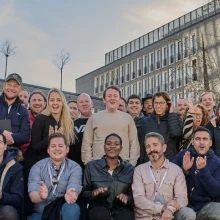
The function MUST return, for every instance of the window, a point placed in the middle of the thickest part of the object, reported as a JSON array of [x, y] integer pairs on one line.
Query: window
[[146, 86], [146, 40], [117, 77], [122, 74], [115, 54], [106, 59], [186, 47], [160, 33], [134, 89], [102, 83], [173, 79], [165, 54], [187, 19], [155, 35], [140, 89], [187, 74], [119, 52], [106, 80], [128, 48], [179, 50], [134, 69], [158, 59], [159, 83], [194, 76], [152, 85], [141, 42], [165, 30], [140, 66], [123, 92], [97, 85], [171, 27], [151, 37], [128, 72], [172, 52], [128, 91], [194, 48], [137, 46], [188, 95], [180, 71], [176, 24], [132, 46], [124, 51], [166, 79], [152, 62], [146, 65], [111, 56]]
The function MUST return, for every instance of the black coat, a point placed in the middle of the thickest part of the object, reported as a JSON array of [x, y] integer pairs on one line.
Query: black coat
[[215, 133], [169, 126], [39, 139], [96, 175]]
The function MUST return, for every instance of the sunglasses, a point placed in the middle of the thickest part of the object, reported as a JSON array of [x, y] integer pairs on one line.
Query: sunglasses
[[55, 177]]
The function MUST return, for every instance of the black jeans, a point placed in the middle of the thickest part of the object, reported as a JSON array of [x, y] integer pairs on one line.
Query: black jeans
[[8, 212], [102, 213]]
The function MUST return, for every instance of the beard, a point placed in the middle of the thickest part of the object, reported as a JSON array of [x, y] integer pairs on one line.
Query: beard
[[10, 98], [156, 157]]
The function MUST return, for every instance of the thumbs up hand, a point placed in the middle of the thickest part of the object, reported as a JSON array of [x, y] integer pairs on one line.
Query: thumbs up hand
[[43, 191]]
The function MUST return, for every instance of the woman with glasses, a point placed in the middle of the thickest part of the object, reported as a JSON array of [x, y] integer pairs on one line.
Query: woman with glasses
[[195, 116], [164, 121], [107, 184], [214, 127], [55, 118]]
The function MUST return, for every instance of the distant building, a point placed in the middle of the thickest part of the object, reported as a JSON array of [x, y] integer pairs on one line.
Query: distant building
[[166, 59], [98, 103]]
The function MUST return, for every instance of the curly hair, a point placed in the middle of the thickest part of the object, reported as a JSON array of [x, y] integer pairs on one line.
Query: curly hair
[[205, 115]]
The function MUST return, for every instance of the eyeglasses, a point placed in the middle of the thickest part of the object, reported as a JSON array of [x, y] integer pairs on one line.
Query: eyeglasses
[[159, 103], [55, 177]]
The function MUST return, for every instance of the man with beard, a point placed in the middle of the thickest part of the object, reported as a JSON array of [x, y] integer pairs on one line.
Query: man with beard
[[12, 110], [84, 105], [208, 101], [24, 96], [159, 186], [202, 170], [37, 103], [181, 107], [147, 105]]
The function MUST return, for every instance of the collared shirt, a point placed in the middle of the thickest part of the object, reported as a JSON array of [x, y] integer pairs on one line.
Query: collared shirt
[[71, 177], [144, 189]]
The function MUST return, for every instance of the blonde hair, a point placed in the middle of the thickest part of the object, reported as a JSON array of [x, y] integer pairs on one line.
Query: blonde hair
[[205, 93], [65, 119]]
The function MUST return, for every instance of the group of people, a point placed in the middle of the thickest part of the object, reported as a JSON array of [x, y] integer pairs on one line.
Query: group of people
[[137, 159]]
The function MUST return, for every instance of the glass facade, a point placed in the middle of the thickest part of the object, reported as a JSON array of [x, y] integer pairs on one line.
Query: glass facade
[[146, 68], [178, 24]]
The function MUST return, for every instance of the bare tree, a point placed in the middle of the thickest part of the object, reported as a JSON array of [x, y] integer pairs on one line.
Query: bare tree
[[8, 50], [61, 60]]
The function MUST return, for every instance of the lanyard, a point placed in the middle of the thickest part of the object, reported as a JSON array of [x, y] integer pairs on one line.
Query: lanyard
[[58, 178], [163, 178]]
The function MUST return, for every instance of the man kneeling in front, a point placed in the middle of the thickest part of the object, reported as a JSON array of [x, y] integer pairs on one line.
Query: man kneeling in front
[[55, 178], [159, 186]]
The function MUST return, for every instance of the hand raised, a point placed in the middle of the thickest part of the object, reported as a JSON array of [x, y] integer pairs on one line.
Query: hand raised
[[201, 162], [98, 191], [123, 198], [213, 121], [187, 162], [43, 191], [51, 130]]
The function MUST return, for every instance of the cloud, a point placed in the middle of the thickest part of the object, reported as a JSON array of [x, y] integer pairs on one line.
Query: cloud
[[7, 15], [154, 15]]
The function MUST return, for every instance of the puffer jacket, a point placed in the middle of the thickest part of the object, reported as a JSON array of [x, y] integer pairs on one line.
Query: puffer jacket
[[169, 126], [96, 175], [20, 122], [203, 185]]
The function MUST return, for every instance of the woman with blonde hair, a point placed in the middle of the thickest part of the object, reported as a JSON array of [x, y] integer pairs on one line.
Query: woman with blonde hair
[[55, 118], [196, 116]]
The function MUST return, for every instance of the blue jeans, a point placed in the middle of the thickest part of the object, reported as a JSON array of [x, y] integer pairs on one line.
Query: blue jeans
[[69, 212]]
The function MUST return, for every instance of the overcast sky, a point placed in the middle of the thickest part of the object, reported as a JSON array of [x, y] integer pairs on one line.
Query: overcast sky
[[87, 29]]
